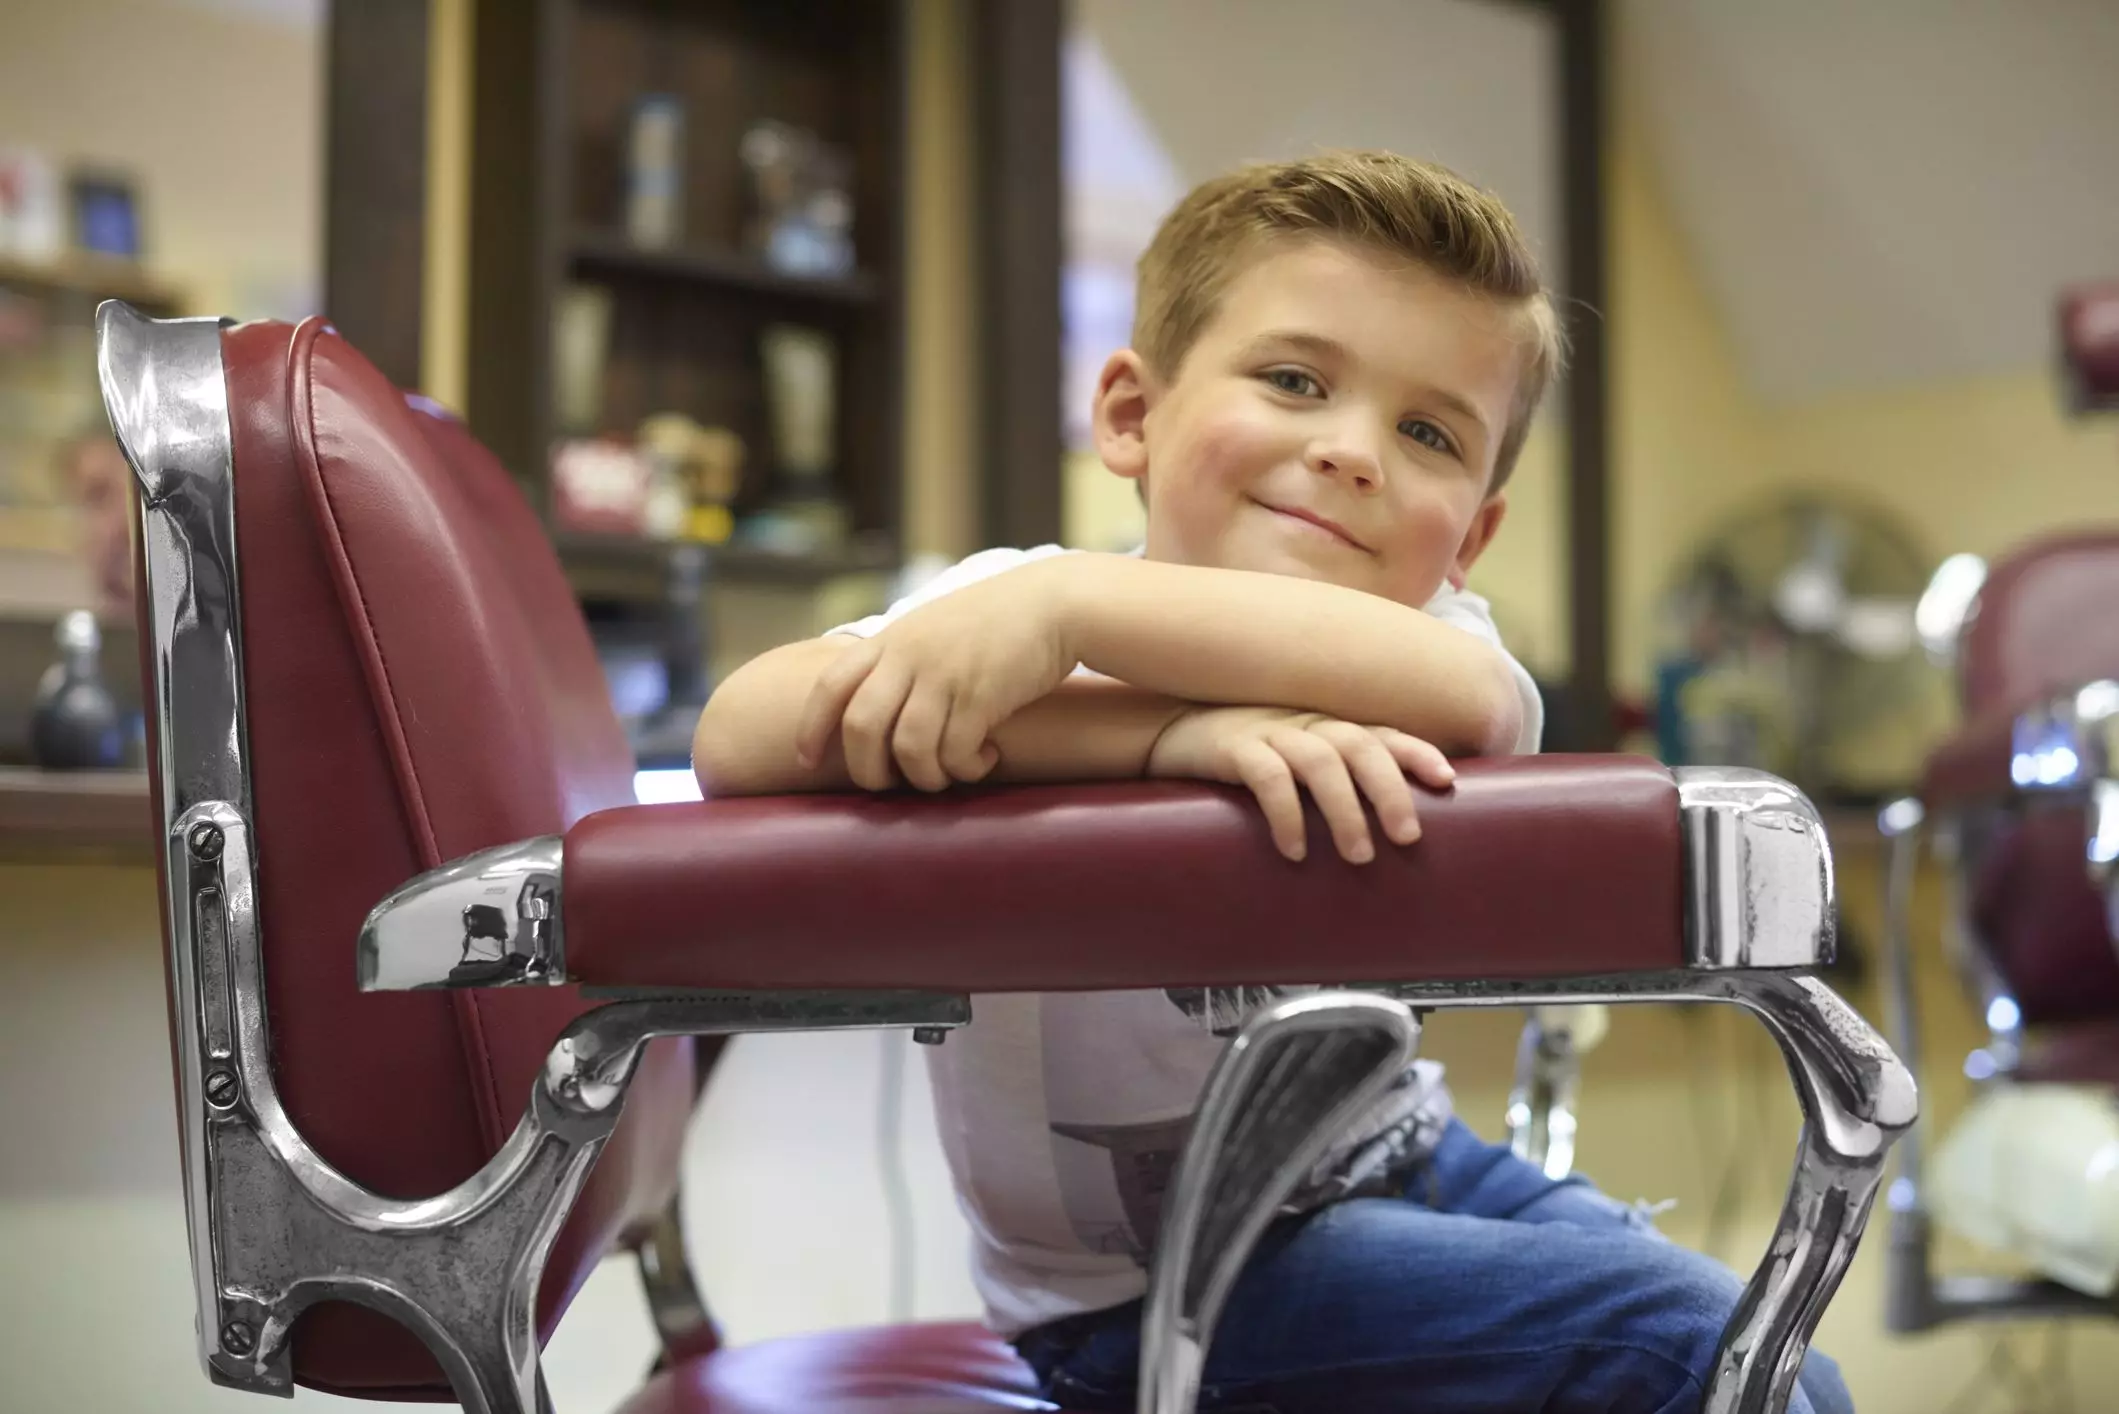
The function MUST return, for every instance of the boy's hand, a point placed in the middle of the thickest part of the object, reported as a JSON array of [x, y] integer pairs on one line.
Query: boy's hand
[[923, 696], [1270, 749]]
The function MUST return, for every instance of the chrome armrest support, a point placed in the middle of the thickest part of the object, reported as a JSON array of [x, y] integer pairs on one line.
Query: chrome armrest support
[[1857, 1099], [1758, 869], [1291, 1081], [1548, 1084], [490, 919], [1759, 908]]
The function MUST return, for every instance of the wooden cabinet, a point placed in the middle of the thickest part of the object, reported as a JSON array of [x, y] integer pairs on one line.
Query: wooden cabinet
[[557, 86]]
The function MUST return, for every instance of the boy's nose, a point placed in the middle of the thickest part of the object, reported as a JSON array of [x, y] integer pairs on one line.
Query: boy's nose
[[1347, 462]]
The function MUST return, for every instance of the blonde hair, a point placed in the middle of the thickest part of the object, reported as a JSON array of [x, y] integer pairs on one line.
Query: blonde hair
[[1377, 200]]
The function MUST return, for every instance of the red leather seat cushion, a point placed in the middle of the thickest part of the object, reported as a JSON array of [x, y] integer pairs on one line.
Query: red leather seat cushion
[[931, 1369], [1530, 867]]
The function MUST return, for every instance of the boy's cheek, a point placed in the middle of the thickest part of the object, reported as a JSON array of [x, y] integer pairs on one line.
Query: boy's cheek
[[1228, 455]]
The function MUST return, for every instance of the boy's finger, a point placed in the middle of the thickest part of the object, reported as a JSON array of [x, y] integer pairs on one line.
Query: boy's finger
[[1377, 772], [1422, 759], [1267, 776], [915, 742], [865, 729], [828, 697], [1323, 773], [965, 750]]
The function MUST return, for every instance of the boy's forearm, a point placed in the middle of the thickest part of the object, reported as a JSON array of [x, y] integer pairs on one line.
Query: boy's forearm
[[1233, 636], [1088, 730]]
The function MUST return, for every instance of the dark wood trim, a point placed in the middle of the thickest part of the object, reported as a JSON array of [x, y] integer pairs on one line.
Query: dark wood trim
[[876, 356], [511, 106], [1019, 210], [75, 815], [1590, 723], [94, 278], [375, 180], [609, 253]]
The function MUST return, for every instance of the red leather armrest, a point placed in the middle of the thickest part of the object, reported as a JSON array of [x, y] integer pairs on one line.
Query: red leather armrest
[[1530, 867]]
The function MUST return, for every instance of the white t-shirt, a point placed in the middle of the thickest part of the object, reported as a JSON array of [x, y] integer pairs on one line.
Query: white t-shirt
[[1063, 1114]]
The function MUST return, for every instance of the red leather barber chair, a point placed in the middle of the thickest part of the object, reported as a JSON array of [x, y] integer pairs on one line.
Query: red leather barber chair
[[434, 975], [2023, 801]]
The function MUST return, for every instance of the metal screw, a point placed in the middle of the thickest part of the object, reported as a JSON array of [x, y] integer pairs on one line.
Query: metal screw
[[929, 1035], [221, 1089], [206, 840], [238, 1338]]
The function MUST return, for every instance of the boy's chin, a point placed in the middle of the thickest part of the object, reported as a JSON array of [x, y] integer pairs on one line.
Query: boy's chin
[[1297, 562], [1274, 554]]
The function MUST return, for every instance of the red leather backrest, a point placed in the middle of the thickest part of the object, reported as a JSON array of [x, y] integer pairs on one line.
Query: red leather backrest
[[419, 685], [2047, 620]]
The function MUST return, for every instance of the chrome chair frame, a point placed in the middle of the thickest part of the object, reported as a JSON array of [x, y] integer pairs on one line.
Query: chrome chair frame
[[2064, 754], [274, 1228], [1548, 1085]]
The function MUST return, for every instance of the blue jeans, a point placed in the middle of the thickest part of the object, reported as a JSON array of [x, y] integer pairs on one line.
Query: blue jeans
[[1485, 1288]]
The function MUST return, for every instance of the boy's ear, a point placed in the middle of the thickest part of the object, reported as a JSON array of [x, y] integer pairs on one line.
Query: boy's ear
[[1119, 415], [1485, 521]]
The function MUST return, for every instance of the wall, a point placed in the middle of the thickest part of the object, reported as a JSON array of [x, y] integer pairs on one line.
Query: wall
[[941, 493], [231, 192], [1978, 464], [1687, 438]]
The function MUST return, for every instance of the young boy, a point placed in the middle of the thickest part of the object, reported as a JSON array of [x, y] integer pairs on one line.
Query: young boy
[[1335, 365]]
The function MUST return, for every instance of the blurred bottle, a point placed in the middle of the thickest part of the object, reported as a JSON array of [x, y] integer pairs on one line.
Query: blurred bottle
[[654, 212], [76, 725]]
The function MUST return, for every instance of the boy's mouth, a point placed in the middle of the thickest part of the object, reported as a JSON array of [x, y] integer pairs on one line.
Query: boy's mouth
[[1315, 521]]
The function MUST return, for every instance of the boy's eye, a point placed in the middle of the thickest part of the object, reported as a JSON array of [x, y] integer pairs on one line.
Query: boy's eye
[[1293, 381], [1427, 434]]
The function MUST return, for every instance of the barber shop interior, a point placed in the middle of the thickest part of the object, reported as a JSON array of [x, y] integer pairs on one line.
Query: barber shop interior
[[928, 706]]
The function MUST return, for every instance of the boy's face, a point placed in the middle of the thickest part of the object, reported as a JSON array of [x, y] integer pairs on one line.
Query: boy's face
[[1337, 419]]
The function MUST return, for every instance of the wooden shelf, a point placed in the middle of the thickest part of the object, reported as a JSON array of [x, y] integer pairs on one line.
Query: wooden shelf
[[609, 253], [684, 325], [737, 562], [74, 814], [97, 277], [731, 563]]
